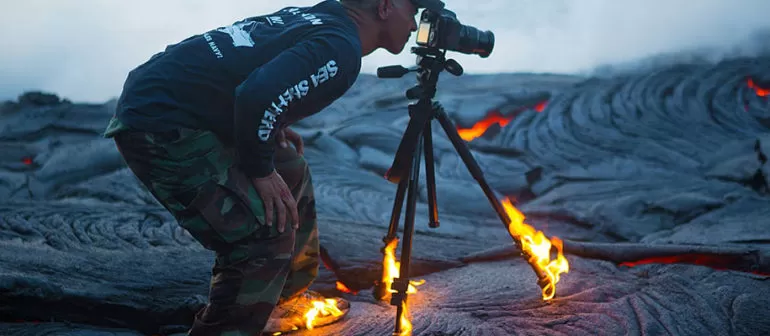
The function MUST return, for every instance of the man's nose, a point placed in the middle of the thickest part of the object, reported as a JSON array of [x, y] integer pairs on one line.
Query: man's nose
[[414, 25]]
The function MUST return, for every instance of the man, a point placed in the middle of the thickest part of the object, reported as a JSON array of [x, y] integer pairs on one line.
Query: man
[[203, 126]]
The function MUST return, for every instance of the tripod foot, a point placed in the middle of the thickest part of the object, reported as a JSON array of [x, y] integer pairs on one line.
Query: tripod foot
[[381, 290]]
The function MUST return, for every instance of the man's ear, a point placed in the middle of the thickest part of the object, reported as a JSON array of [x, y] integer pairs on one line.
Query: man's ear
[[384, 9]]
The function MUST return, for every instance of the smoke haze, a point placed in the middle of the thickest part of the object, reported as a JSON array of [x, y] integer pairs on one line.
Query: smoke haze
[[83, 49]]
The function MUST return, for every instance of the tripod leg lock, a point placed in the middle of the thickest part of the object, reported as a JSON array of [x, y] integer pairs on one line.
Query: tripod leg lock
[[400, 285]]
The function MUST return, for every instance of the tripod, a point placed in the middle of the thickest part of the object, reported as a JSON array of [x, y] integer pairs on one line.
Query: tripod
[[405, 169]]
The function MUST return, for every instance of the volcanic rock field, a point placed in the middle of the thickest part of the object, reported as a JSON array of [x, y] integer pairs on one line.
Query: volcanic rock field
[[657, 181]]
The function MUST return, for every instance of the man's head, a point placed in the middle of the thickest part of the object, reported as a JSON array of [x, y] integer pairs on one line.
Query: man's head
[[386, 24]]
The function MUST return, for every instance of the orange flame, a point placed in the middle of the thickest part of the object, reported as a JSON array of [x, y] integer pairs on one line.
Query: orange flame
[[406, 325], [762, 92], [535, 244], [391, 270], [322, 308]]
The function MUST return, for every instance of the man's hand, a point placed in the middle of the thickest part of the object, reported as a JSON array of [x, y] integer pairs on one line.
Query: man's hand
[[277, 196], [286, 135]]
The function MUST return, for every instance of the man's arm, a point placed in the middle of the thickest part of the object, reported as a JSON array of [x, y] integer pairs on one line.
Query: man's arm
[[322, 65]]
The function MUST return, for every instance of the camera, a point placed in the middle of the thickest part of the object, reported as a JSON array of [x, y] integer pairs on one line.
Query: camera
[[442, 30]]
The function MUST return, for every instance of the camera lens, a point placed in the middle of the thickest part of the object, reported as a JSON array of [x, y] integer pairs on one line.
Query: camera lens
[[452, 35], [474, 41]]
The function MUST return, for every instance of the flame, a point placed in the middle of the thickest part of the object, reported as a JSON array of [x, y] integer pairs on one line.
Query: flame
[[406, 325], [762, 92], [322, 308], [26, 160], [535, 244], [493, 117], [391, 270]]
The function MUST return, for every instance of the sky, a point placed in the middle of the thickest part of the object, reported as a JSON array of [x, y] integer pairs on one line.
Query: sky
[[82, 50]]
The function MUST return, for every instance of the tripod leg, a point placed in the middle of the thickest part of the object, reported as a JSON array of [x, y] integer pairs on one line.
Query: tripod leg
[[380, 290], [395, 215], [430, 175], [419, 116], [478, 175], [401, 284], [473, 167]]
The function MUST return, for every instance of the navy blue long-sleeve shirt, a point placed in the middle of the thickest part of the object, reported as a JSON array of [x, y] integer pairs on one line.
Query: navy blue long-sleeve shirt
[[247, 80]]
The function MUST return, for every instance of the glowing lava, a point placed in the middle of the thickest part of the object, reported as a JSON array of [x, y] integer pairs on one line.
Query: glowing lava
[[481, 126], [695, 259], [342, 288], [716, 262], [391, 270], [493, 117], [762, 92], [535, 244]]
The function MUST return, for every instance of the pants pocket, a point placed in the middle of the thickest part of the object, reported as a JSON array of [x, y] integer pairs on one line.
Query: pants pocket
[[226, 211]]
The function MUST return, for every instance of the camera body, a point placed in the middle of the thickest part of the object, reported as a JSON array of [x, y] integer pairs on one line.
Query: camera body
[[442, 30]]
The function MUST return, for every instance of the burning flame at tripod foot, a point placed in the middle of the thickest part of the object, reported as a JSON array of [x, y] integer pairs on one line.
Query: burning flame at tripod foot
[[406, 325], [321, 308], [324, 307], [391, 270], [535, 244]]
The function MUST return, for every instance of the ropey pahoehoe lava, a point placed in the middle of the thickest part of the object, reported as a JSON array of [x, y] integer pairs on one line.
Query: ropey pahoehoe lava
[[648, 191]]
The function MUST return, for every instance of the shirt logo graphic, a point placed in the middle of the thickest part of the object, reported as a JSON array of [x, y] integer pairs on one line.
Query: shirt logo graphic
[[241, 38]]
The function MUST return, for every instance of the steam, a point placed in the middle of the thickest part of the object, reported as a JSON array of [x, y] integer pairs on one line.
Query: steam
[[83, 49]]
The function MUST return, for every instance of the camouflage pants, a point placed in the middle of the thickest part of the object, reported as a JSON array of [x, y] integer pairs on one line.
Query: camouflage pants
[[192, 174]]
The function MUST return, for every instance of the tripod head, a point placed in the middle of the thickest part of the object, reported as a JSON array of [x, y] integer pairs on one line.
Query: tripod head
[[430, 63]]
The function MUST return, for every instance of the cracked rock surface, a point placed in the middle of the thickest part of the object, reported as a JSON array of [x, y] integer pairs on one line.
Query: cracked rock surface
[[629, 168]]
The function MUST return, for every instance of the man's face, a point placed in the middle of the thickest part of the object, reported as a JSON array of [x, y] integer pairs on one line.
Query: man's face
[[399, 25]]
